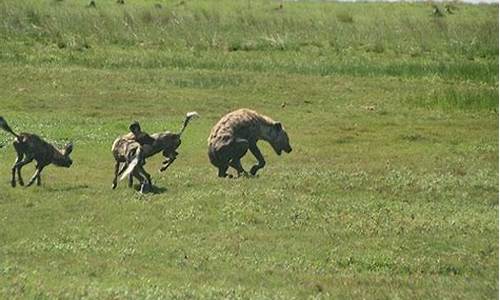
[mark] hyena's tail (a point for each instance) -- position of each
(6, 127)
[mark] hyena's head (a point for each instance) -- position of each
(279, 139)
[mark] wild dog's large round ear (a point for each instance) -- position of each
(68, 148)
(135, 127)
(278, 126)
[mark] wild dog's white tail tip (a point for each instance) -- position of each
(192, 114)
(189, 116)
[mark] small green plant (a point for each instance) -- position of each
(345, 17)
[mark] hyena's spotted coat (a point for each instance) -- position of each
(238, 132)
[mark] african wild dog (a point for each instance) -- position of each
(238, 132)
(31, 147)
(132, 149)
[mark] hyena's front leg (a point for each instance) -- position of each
(260, 159)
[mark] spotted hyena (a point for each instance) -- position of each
(239, 131)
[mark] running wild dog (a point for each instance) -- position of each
(238, 132)
(132, 149)
(31, 147)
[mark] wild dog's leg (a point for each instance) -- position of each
(170, 157)
(138, 176)
(144, 174)
(17, 167)
(239, 149)
(167, 164)
(19, 158)
(141, 177)
(124, 167)
(130, 181)
(36, 176)
(39, 179)
(146, 183)
(236, 164)
(261, 162)
(137, 173)
(117, 170)
(223, 170)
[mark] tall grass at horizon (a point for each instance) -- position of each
(391, 190)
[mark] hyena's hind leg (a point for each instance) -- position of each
(230, 155)
(239, 149)
(218, 159)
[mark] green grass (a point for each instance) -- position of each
(391, 190)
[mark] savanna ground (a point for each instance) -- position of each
(391, 190)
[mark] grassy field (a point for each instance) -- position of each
(391, 191)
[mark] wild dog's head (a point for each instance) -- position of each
(135, 127)
(278, 138)
(64, 160)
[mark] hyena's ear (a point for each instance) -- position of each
(278, 126)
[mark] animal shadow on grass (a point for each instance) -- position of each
(69, 188)
(243, 176)
(153, 189)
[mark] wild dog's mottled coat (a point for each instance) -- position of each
(127, 147)
(239, 131)
(31, 147)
